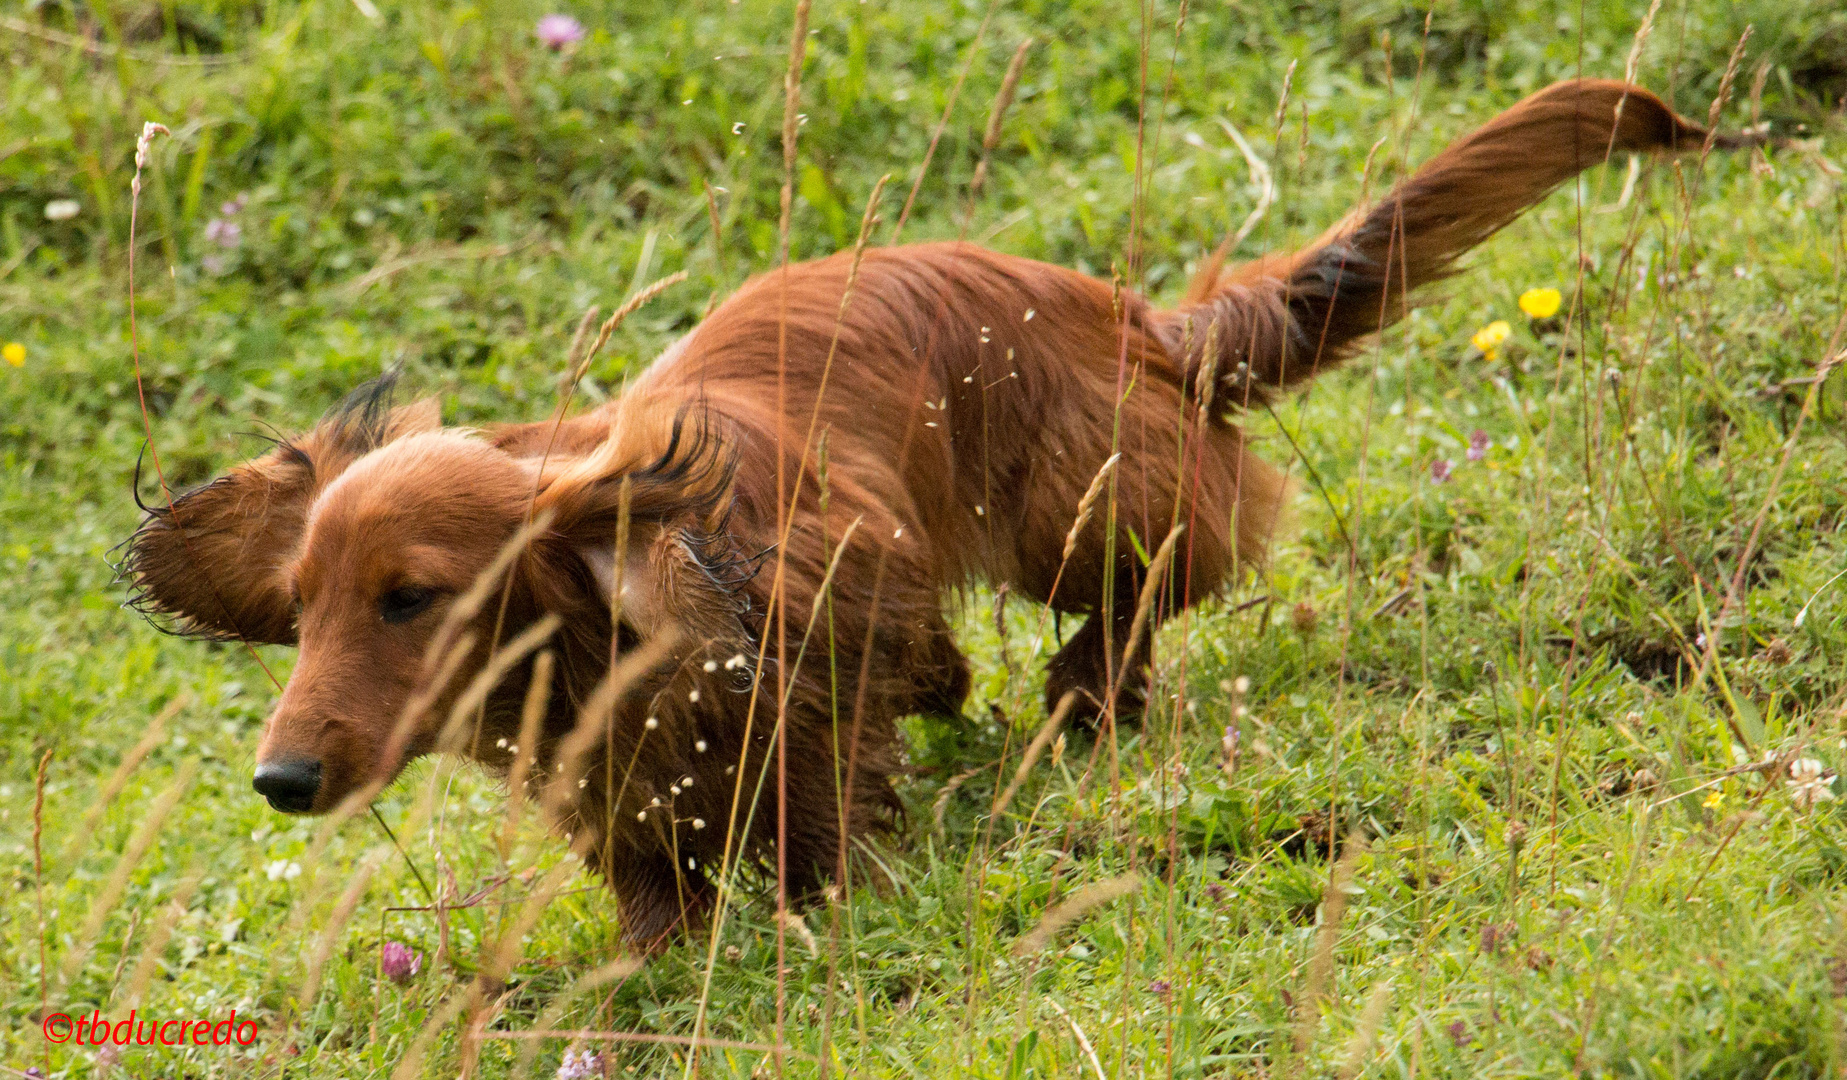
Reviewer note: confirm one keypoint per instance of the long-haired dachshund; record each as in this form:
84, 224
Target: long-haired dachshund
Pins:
733, 576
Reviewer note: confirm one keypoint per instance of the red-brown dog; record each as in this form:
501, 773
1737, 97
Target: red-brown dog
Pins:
761, 596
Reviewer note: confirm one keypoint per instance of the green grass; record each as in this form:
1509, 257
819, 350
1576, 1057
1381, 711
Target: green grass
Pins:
1429, 663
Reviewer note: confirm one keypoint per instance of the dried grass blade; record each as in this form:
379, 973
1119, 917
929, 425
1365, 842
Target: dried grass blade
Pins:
1033, 750
119, 779
1087, 505
1002, 100
156, 945
525, 752
1321, 962
1081, 902
1156, 581
117, 881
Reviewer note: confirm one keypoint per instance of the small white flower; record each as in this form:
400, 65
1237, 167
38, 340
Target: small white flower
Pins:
693, 696
699, 745
1806, 784
642, 816
282, 870
698, 823
711, 666
62, 209
652, 723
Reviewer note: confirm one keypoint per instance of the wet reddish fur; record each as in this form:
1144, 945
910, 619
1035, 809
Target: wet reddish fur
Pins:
942, 397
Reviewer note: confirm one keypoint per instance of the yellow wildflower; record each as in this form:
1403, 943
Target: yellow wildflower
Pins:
15, 353
1489, 338
1540, 303
1714, 800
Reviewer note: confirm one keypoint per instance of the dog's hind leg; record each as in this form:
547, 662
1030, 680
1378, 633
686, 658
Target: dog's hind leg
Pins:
653, 900
1091, 659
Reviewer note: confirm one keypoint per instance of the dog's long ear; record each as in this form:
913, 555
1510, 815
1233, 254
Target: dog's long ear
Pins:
209, 563
673, 480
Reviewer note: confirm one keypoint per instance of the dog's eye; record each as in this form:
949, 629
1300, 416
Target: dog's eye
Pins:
403, 605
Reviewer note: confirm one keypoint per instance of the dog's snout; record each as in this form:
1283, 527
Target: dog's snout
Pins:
289, 785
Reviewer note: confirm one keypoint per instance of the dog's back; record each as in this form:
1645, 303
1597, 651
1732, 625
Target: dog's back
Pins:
969, 398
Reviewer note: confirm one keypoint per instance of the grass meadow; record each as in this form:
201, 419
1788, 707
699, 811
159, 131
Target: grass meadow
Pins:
1517, 760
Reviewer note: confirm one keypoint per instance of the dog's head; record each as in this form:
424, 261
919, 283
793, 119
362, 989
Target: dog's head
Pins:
400, 556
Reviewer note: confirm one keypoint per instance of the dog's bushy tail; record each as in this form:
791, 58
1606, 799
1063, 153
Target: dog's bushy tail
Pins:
1284, 319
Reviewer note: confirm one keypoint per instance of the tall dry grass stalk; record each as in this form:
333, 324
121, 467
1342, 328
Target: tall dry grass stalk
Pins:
1080, 903
1151, 588
113, 886
791, 122
616, 971
469, 604
1260, 175
580, 341
728, 867
942, 123
635, 303
498, 958
941, 807
991, 138
112, 787
1083, 1040
1320, 977
1634, 63
1366, 1033
568, 769
821, 595
525, 752
1033, 750
1087, 506
38, 886
155, 947
503, 661
356, 885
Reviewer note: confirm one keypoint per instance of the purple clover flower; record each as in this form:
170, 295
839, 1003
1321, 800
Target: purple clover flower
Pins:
399, 962
580, 1066
1440, 470
557, 32
223, 232
1479, 444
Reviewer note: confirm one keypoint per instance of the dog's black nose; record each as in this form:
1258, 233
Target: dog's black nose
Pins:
289, 785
